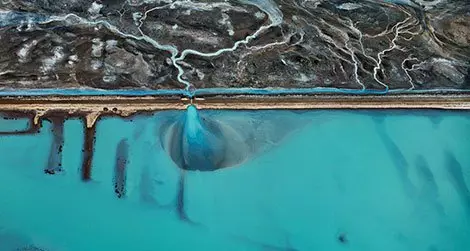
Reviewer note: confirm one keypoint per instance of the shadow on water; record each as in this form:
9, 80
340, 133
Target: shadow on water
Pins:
434, 115
396, 156
429, 189
454, 169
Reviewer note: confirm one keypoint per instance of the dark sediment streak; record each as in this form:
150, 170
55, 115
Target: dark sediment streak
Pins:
458, 180
88, 152
55, 156
180, 198
122, 156
397, 157
429, 189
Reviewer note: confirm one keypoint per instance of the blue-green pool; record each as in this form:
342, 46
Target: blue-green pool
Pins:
388, 180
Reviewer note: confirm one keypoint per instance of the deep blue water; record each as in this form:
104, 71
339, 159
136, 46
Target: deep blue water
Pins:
253, 180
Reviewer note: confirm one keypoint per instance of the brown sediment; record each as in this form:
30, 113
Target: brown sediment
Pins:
37, 117
88, 148
117, 105
126, 106
460, 102
91, 118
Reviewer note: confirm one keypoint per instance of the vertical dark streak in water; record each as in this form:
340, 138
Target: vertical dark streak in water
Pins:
145, 186
55, 156
423, 168
88, 149
397, 157
435, 120
458, 181
180, 198
430, 188
171, 137
122, 156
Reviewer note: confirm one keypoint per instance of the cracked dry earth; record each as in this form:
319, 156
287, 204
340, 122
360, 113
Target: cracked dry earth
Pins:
165, 44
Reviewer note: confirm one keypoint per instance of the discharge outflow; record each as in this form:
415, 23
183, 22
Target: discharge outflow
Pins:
196, 142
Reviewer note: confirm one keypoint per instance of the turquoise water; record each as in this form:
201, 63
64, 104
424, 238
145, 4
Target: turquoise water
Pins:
278, 180
13, 125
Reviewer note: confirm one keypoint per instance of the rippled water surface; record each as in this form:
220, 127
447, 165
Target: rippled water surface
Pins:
243, 180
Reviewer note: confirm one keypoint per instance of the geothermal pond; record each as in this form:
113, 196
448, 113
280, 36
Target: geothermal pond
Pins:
240, 180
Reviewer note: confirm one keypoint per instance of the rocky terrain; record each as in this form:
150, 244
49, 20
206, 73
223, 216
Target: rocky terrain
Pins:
165, 44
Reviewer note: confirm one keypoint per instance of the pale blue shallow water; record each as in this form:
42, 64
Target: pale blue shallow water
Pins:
383, 180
